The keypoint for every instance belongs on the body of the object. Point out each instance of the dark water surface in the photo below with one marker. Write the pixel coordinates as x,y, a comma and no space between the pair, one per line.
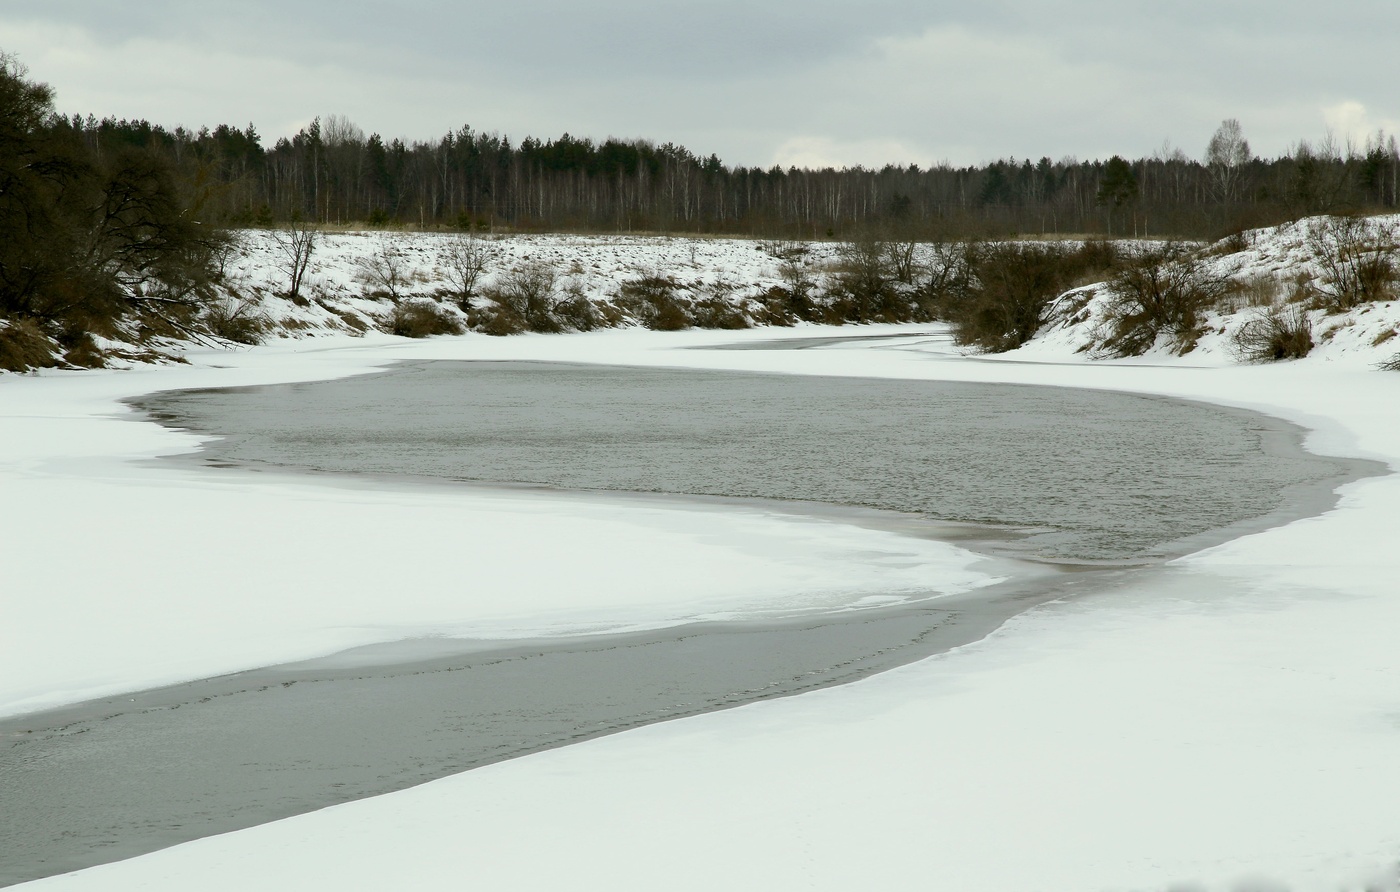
1087,477
119,777
1092,475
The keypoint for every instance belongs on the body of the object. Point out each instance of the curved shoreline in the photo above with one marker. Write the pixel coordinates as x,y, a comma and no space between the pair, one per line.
1306,493
943,627
131,774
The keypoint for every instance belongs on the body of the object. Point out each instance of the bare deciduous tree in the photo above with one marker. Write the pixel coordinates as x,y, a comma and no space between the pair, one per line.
386,270
465,259
902,252
296,242
1227,155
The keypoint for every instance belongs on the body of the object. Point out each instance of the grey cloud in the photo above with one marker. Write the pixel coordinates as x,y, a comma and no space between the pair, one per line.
528,40
1086,77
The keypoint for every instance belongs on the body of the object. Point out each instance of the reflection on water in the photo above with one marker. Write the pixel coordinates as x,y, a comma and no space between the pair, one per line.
1094,475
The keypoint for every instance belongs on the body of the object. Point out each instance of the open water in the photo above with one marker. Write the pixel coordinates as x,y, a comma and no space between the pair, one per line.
1086,475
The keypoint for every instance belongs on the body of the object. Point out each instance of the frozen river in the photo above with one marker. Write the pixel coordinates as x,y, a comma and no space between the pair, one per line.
1085,487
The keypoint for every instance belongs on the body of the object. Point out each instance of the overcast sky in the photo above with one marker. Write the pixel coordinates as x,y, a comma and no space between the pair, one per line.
757,82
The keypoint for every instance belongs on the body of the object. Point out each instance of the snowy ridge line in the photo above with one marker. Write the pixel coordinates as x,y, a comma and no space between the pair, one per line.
724,283
1262,266
733,271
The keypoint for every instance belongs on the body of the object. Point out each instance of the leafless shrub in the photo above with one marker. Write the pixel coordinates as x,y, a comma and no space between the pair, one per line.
237,319
774,307
465,259
1095,260
421,318
863,287
1234,243
1273,334
495,319
1357,259
576,311
794,298
1390,365
223,250
717,308
653,299
522,299
1165,292
946,280
386,271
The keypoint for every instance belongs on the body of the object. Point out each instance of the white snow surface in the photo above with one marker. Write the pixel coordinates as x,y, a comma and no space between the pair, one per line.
335,291
1228,721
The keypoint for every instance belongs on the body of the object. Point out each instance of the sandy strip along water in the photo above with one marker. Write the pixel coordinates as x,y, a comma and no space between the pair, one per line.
114,778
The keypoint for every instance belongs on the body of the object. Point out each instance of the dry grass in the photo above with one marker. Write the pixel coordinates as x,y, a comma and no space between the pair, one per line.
421,319
23,347
1274,334
654,299
1263,290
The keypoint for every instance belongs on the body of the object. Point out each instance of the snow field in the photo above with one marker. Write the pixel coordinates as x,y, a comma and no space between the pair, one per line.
593,265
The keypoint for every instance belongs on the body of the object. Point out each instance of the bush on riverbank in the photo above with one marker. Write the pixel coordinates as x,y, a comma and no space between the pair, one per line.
1166,292
1274,334
422,318
996,295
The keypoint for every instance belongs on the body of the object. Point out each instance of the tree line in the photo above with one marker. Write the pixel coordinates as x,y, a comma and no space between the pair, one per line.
332,173
96,241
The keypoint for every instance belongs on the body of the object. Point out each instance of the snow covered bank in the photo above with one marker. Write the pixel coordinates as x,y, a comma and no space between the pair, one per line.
1290,266
1228,718
1294,267
348,272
